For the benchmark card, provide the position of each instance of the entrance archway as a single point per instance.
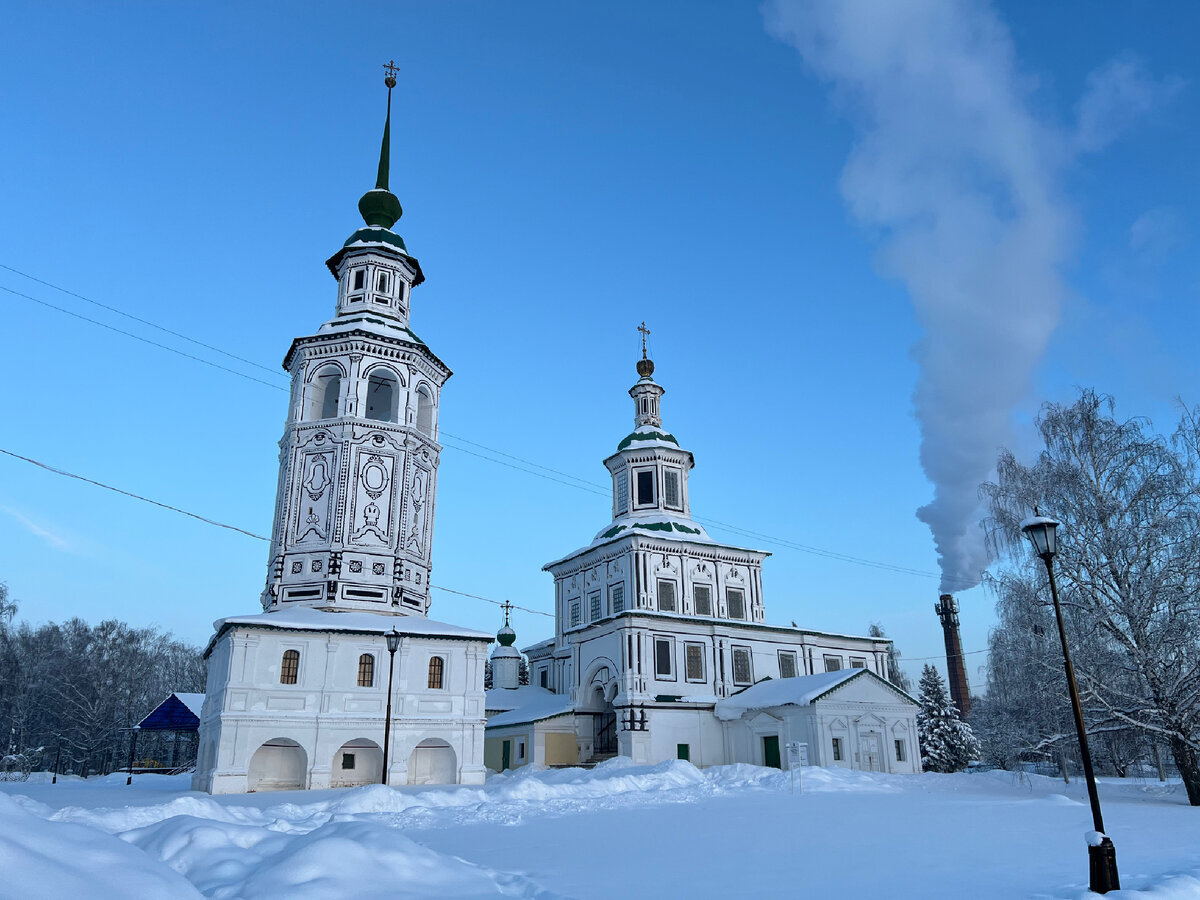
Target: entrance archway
(433, 762)
(357, 762)
(278, 765)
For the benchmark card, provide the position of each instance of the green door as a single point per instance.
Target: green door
(771, 751)
(683, 751)
(506, 755)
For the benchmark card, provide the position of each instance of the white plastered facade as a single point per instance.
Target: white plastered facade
(656, 623)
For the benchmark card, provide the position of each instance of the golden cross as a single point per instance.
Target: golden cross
(391, 68)
(645, 331)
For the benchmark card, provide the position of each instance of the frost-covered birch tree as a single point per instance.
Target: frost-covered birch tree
(1128, 565)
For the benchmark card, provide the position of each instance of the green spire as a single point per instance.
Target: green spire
(381, 207)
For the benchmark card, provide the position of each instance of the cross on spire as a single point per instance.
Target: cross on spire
(507, 607)
(645, 332)
(391, 68)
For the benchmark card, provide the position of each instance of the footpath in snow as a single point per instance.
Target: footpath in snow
(636, 831)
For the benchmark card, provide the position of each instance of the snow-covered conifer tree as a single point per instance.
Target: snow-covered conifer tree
(947, 742)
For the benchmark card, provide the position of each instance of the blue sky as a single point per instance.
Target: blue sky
(757, 184)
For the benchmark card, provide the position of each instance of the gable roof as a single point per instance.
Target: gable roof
(525, 704)
(179, 712)
(803, 690)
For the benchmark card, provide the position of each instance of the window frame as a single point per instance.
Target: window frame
(688, 647)
(696, 606)
(734, 650)
(669, 643)
(658, 595)
(595, 606)
(575, 614)
(828, 658)
(789, 655)
(289, 666)
(729, 592)
(669, 473)
(900, 746)
(359, 279)
(858, 662)
(438, 670)
(638, 502)
(617, 597)
(347, 757)
(621, 487)
(839, 754)
(366, 663)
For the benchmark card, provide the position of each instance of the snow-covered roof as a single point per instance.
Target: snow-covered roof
(303, 618)
(799, 691)
(658, 525)
(528, 703)
(194, 702)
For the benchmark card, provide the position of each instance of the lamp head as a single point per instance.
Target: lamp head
(393, 640)
(1041, 531)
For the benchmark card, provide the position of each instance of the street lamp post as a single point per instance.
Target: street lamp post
(133, 733)
(1102, 856)
(393, 643)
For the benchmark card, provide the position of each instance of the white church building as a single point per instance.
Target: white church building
(298, 695)
(661, 648)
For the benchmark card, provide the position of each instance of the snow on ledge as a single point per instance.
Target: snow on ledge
(306, 619)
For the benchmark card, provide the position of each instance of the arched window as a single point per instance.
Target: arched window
(290, 668)
(366, 670)
(424, 410)
(323, 394)
(383, 392)
(436, 665)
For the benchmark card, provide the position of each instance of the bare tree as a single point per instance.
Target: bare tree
(1128, 565)
(894, 674)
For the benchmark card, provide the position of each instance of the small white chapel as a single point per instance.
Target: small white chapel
(342, 679)
(661, 648)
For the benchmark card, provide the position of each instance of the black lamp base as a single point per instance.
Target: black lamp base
(1102, 863)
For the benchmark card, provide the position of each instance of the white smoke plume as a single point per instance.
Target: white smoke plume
(959, 176)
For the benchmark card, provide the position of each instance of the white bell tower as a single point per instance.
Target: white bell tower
(359, 454)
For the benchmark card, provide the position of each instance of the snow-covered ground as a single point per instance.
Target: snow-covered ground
(662, 831)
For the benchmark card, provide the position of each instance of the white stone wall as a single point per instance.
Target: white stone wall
(247, 706)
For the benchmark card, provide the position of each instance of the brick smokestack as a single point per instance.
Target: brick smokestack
(960, 692)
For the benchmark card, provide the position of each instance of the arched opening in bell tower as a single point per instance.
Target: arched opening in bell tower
(424, 410)
(324, 393)
(383, 395)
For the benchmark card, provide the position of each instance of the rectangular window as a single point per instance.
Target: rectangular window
(683, 751)
(520, 749)
(857, 663)
(837, 749)
(360, 279)
(787, 664)
(662, 658)
(381, 284)
(645, 487)
(735, 603)
(833, 663)
(366, 670)
(594, 604)
(899, 751)
(694, 659)
(671, 489)
(618, 597)
(702, 595)
(741, 666)
(347, 760)
(666, 596)
(544, 679)
(574, 613)
(622, 492)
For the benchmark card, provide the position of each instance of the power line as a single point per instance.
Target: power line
(117, 490)
(574, 482)
(155, 325)
(208, 521)
(138, 337)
